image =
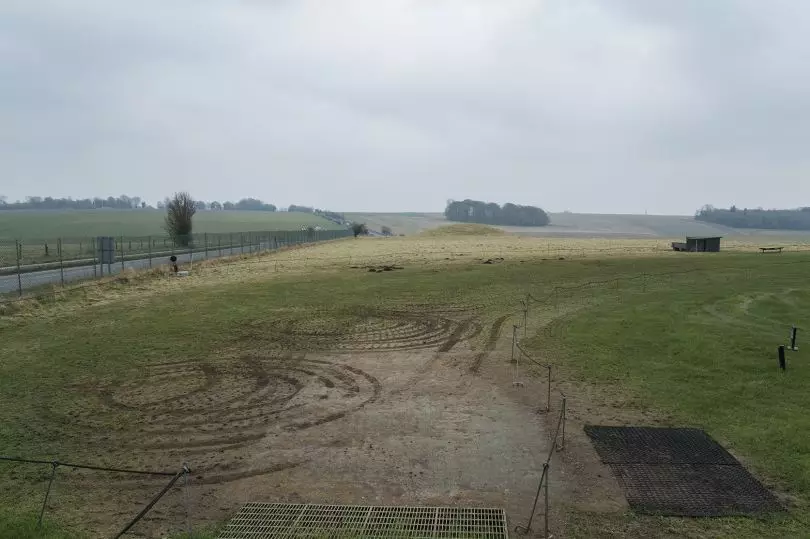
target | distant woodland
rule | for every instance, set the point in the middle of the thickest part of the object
(125, 202)
(797, 219)
(475, 211)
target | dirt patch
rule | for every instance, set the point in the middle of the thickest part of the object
(379, 269)
(398, 421)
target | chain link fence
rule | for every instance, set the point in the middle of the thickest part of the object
(37, 267)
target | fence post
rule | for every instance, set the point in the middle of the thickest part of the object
(122, 253)
(150, 252)
(514, 342)
(54, 464)
(241, 243)
(546, 470)
(61, 263)
(543, 481)
(205, 239)
(525, 317)
(563, 413)
(185, 490)
(19, 275)
(93, 246)
(219, 245)
(548, 395)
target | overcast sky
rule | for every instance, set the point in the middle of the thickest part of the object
(613, 106)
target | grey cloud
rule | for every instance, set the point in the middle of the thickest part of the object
(588, 105)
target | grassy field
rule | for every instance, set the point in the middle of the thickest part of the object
(41, 225)
(400, 223)
(579, 225)
(695, 348)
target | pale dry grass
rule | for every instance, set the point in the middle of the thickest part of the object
(423, 250)
(352, 255)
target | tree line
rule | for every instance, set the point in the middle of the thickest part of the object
(122, 202)
(475, 211)
(125, 202)
(795, 219)
(245, 204)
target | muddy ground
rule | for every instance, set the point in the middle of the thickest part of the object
(401, 410)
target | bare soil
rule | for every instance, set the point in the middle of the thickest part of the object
(399, 410)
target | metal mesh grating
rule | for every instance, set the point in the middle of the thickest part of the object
(679, 472)
(271, 520)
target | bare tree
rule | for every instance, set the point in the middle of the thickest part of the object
(179, 211)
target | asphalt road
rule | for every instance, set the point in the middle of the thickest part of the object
(26, 281)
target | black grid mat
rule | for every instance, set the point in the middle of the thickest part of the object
(655, 445)
(693, 489)
(271, 520)
(679, 472)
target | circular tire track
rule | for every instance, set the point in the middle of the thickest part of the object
(177, 410)
(213, 414)
(388, 332)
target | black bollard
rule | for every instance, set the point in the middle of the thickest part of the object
(782, 357)
(793, 338)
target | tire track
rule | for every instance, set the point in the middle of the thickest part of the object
(492, 341)
(455, 336)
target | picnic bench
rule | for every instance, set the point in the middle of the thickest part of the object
(764, 250)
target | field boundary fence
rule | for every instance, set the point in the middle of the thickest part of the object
(556, 442)
(174, 476)
(39, 268)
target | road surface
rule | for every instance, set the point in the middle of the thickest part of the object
(26, 281)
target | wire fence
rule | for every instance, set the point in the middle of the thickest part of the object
(36, 268)
(183, 472)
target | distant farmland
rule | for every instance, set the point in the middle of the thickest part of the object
(588, 225)
(28, 225)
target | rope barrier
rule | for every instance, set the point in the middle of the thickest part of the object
(84, 466)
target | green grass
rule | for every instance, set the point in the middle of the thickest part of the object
(46, 225)
(701, 351)
(683, 346)
(23, 525)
